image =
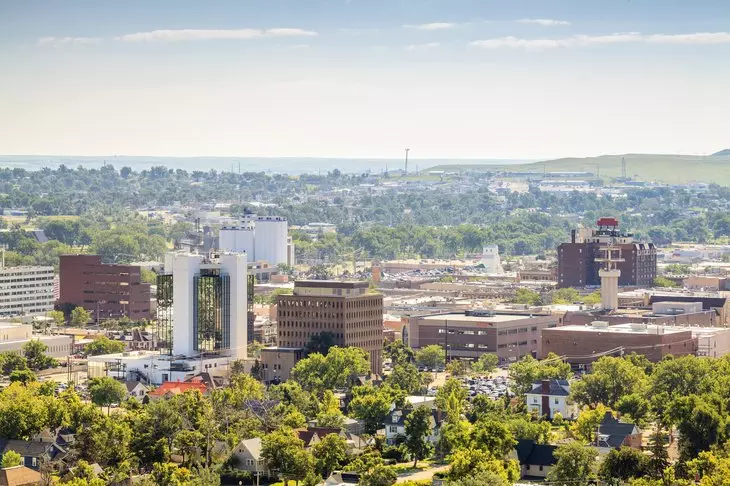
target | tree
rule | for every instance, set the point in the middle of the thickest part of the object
(371, 405)
(431, 356)
(12, 362)
(486, 363)
(624, 463)
(11, 459)
(457, 367)
(398, 352)
(330, 415)
(378, 475)
(148, 276)
(635, 406)
(593, 298)
(23, 411)
(320, 343)
(105, 391)
(330, 453)
(528, 370)
(586, 426)
(526, 296)
(187, 443)
(35, 354)
(493, 436)
(566, 296)
(610, 381)
(22, 376)
(575, 465)
(699, 423)
(452, 387)
(664, 282)
(418, 428)
(284, 452)
(105, 440)
(406, 377)
(659, 459)
(80, 317)
(59, 319)
(468, 462)
(481, 478)
(103, 345)
(317, 373)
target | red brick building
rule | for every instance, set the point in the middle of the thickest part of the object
(108, 291)
(577, 265)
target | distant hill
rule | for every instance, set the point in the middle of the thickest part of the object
(670, 169)
(722, 153)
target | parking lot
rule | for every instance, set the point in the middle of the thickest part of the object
(496, 387)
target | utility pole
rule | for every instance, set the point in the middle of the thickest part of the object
(407, 150)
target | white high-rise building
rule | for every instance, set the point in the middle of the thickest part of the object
(26, 290)
(207, 311)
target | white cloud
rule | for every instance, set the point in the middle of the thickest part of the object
(545, 22)
(57, 41)
(700, 38)
(420, 47)
(433, 26)
(175, 35)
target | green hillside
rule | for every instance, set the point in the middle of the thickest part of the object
(670, 169)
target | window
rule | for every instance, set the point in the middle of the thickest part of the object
(393, 429)
(540, 468)
(534, 399)
(556, 401)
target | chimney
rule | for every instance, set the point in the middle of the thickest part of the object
(545, 387)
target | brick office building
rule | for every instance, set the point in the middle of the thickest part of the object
(345, 309)
(108, 291)
(577, 265)
(585, 344)
(472, 333)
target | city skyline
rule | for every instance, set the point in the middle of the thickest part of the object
(350, 78)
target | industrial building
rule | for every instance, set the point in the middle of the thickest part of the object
(470, 334)
(262, 238)
(26, 290)
(585, 344)
(14, 336)
(345, 309)
(579, 261)
(108, 291)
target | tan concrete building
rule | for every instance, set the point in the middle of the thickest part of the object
(345, 309)
(277, 362)
(472, 333)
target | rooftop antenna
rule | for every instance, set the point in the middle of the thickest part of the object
(407, 150)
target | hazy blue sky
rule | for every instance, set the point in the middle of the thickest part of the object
(364, 78)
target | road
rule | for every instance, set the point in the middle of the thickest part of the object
(421, 475)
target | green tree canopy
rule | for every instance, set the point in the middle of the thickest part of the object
(418, 428)
(80, 317)
(11, 459)
(576, 464)
(106, 391)
(431, 356)
(317, 373)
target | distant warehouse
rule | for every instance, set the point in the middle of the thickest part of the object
(472, 333)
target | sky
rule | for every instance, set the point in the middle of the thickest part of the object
(517, 79)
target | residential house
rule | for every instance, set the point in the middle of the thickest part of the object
(247, 456)
(613, 434)
(395, 426)
(312, 435)
(33, 453)
(535, 459)
(19, 476)
(338, 478)
(172, 388)
(349, 425)
(136, 389)
(549, 397)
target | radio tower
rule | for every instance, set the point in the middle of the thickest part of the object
(623, 168)
(407, 150)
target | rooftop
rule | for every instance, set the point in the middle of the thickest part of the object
(456, 316)
(331, 284)
(627, 328)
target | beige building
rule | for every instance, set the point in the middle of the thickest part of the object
(14, 336)
(277, 362)
(472, 333)
(345, 309)
(26, 290)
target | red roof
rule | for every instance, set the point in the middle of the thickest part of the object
(177, 387)
(607, 222)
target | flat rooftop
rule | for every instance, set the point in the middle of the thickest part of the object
(332, 284)
(281, 350)
(465, 318)
(628, 328)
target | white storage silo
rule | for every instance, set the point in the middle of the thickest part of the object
(270, 239)
(238, 239)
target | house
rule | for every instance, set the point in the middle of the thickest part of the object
(211, 382)
(349, 425)
(535, 459)
(312, 435)
(19, 476)
(33, 453)
(338, 478)
(395, 426)
(247, 457)
(613, 434)
(171, 388)
(136, 389)
(549, 397)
